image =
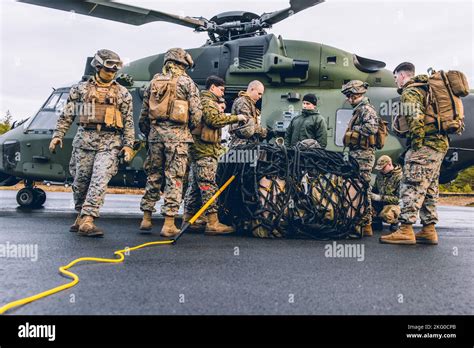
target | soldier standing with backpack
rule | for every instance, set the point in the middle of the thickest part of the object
(171, 109)
(427, 146)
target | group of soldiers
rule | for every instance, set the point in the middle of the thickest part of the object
(183, 128)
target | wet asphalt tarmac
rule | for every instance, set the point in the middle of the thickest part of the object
(231, 274)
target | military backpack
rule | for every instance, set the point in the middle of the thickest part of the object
(443, 105)
(163, 102)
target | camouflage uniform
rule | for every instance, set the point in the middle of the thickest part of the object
(94, 159)
(427, 148)
(252, 130)
(204, 157)
(168, 149)
(366, 123)
(388, 187)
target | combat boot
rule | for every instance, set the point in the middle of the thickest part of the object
(75, 227)
(367, 231)
(169, 229)
(198, 226)
(146, 223)
(214, 227)
(88, 228)
(404, 235)
(427, 235)
(201, 220)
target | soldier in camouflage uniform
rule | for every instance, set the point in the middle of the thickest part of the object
(427, 147)
(105, 131)
(360, 137)
(251, 129)
(205, 152)
(167, 128)
(385, 194)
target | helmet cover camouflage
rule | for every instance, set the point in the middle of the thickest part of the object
(108, 59)
(179, 55)
(382, 162)
(354, 87)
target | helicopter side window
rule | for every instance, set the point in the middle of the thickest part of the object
(47, 117)
(343, 116)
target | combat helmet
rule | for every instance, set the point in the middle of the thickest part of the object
(108, 59)
(179, 55)
(354, 87)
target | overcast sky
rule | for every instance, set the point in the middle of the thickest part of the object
(43, 48)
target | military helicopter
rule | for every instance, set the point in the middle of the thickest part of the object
(239, 50)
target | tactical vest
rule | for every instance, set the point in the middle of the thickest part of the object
(100, 107)
(210, 135)
(355, 139)
(164, 104)
(205, 132)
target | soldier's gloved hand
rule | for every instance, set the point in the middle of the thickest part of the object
(54, 142)
(127, 153)
(375, 197)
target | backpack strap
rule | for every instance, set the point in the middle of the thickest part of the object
(173, 85)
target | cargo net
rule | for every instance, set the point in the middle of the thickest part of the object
(289, 192)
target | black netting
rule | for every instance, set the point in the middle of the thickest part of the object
(290, 192)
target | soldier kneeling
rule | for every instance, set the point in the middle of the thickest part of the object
(385, 194)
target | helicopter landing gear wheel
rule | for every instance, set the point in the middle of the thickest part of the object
(39, 197)
(31, 197)
(25, 197)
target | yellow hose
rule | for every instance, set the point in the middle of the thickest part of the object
(75, 279)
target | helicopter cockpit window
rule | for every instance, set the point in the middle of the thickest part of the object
(343, 116)
(52, 101)
(47, 117)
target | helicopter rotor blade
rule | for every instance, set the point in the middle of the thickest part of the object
(295, 7)
(118, 12)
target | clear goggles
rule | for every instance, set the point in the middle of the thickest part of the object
(110, 63)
